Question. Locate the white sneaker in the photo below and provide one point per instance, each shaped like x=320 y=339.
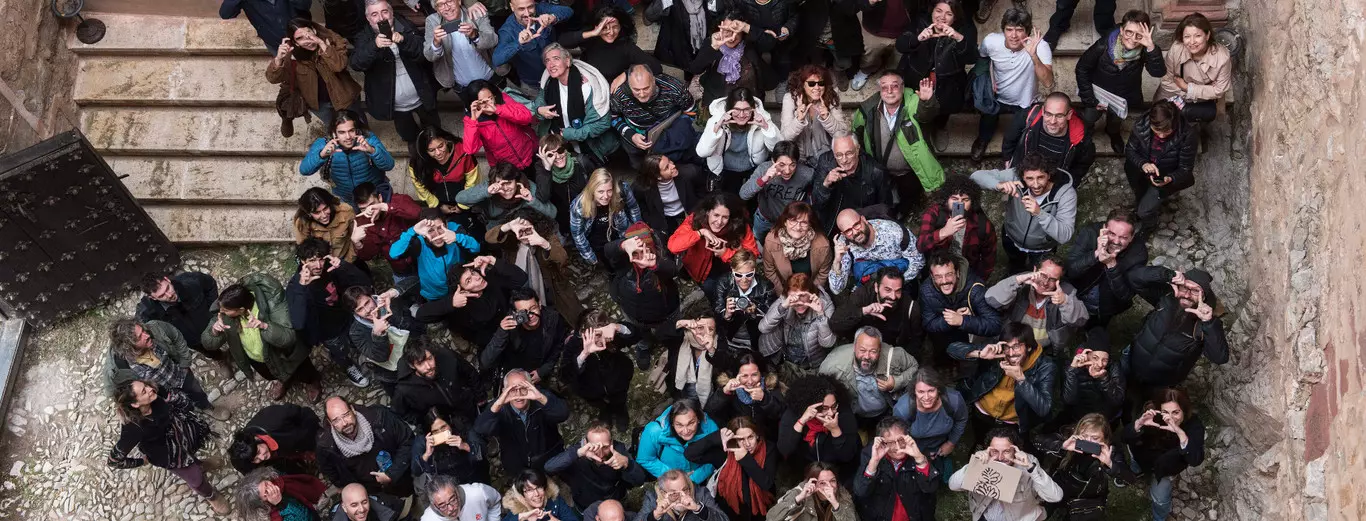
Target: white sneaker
x=357 y=378
x=859 y=81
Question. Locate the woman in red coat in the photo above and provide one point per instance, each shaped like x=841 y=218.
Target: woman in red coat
x=706 y=248
x=500 y=125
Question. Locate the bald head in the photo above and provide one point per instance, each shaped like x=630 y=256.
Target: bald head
x=610 y=510
x=847 y=217
x=853 y=227
x=642 y=83
x=355 y=501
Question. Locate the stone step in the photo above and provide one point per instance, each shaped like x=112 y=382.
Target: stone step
x=223 y=224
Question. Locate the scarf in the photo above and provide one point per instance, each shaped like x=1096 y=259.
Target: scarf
x=562 y=175
x=729 y=66
x=526 y=259
x=814 y=428
x=729 y=484
x=796 y=247
x=683 y=371
x=647 y=237
x=365 y=438
x=1118 y=53
x=303 y=488
x=697 y=23
x=575 y=108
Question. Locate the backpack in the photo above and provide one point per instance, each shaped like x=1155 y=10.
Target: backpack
x=863 y=270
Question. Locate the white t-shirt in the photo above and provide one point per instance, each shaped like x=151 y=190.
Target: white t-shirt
x=1014 y=70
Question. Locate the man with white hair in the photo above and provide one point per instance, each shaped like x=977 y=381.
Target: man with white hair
x=575 y=102
x=846 y=178
x=399 y=85
x=526 y=422
x=451 y=501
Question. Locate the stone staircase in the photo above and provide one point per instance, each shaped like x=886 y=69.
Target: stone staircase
x=181 y=107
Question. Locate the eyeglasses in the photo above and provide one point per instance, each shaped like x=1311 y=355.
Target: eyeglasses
x=810 y=83
x=448 y=505
x=738 y=275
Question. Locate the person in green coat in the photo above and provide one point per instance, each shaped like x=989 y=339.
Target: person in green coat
x=888 y=125
x=252 y=318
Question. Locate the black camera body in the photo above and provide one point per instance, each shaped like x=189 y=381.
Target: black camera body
x=521 y=317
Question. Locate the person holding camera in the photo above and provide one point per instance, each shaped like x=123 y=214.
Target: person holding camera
x=598 y=468
x=506 y=190
x=529 y=338
x=740 y=302
x=897 y=478
x=350 y=154
x=1040 y=208
x=316 y=312
x=479 y=303
x=596 y=365
x=674 y=498
x=1020 y=403
x=399 y=85
x=1159 y=160
x=818 y=497
x=1087 y=462
x=313 y=59
x=1035 y=487
x=954 y=222
x=747 y=468
x=458 y=41
x=1165 y=440
x=526 y=420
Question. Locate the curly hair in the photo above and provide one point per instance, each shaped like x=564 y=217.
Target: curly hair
x=736 y=226
x=796 y=80
x=959 y=184
x=247 y=494
x=813 y=388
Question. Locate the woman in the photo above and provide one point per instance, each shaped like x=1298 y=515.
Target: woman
x=795 y=247
x=1166 y=440
x=796 y=328
x=168 y=431
x=252 y=318
x=739 y=135
x=819 y=497
x=781 y=181
x=1115 y=63
x=741 y=301
x=664 y=440
x=529 y=240
x=534 y=497
x=601 y=214
x=597 y=366
x=710 y=236
x=730 y=60
x=313 y=59
x=440 y=170
x=942 y=44
x=1199 y=70
x=665 y=191
x=266 y=494
x=1083 y=475
x=506 y=190
x=610 y=46
x=349 y=155
x=937 y=416
x=819 y=423
x=684 y=27
x=1159 y=160
x=811 y=110
x=561 y=174
x=444 y=449
x=747 y=466
x=320 y=215
x=499 y=125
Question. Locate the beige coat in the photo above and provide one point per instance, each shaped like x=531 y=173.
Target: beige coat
x=1208 y=78
x=337 y=233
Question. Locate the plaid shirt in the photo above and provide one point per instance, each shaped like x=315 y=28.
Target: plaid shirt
x=979 y=238
x=630 y=116
x=168 y=374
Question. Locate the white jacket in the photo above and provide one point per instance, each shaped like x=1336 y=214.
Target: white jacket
x=601 y=91
x=713 y=143
x=1034 y=488
x=478 y=502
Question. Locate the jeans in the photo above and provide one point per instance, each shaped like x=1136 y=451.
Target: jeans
x=761 y=228
x=195 y=391
x=1020 y=261
x=986 y=126
x=1103 y=17
x=1160 y=493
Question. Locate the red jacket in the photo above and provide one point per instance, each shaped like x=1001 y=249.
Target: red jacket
x=689 y=246
x=402 y=215
x=507 y=138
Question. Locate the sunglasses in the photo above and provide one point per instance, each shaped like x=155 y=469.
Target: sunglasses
x=810 y=83
x=749 y=275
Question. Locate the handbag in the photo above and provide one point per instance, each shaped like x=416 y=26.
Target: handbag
x=290 y=104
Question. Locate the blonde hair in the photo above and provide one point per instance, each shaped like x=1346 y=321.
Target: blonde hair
x=588 y=205
x=741 y=258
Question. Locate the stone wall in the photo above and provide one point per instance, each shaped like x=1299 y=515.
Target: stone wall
x=37 y=67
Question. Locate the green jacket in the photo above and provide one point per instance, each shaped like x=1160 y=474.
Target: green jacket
x=165 y=336
x=283 y=353
x=913 y=148
x=595 y=133
x=840 y=364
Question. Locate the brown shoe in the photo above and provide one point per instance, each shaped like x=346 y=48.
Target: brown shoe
x=277 y=390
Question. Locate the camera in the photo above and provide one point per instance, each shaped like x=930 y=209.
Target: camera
x=521 y=317
x=742 y=303
x=733 y=444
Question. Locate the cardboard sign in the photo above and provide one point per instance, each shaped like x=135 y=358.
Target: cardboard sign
x=993 y=479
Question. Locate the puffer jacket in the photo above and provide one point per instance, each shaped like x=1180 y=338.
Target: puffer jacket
x=760 y=293
x=1085 y=482
x=1012 y=299
x=1035 y=392
x=1171 y=340
x=1097 y=68
x=349 y=168
x=1057 y=216
x=659 y=450
x=818 y=339
x=1085 y=273
x=514 y=504
x=713 y=143
x=283 y=352
x=1083 y=394
x=506 y=138
x=969 y=292
x=1176 y=159
x=581 y=227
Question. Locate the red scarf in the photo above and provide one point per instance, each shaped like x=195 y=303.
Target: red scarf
x=814 y=428
x=302 y=487
x=731 y=479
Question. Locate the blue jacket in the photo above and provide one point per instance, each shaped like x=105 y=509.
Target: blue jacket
x=526 y=58
x=352 y=168
x=431 y=268
x=660 y=450
x=580 y=228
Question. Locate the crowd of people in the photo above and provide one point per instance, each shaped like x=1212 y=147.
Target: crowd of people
x=829 y=340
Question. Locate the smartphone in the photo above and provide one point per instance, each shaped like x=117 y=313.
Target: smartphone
x=383 y=310
x=1088 y=447
x=386 y=29
x=451 y=27
x=733 y=444
x=957 y=208
x=441 y=438
x=1160 y=419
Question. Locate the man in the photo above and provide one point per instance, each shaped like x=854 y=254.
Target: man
x=955 y=223
x=675 y=497
x=359 y=505
x=252 y=319
x=645 y=102
x=1016 y=391
x=316 y=309
x=847 y=179
x=379 y=224
x=399 y=85
x=437 y=245
x=597 y=468
x=1055 y=131
x=435 y=377
x=575 y=102
x=154 y=351
x=596 y=364
x=1182 y=326
x=451 y=501
x=882 y=305
x=529 y=338
x=865 y=246
x=606 y=510
x=479 y=302
x=269 y=17
x=1042 y=300
x=281 y=436
x=752 y=394
x=184 y=301
x=643 y=285
x=1035 y=488
x=889 y=126
x=953 y=306
x=876 y=372
x=897 y=482
x=369 y=445
x=460 y=57
x=381 y=328
x=1019 y=58
x=1040 y=209
x=524 y=35
x=526 y=421
x=1099 y=261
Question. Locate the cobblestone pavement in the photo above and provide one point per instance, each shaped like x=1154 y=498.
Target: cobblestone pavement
x=61 y=426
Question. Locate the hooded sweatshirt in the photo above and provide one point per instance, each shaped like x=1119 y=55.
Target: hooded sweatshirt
x=1057 y=213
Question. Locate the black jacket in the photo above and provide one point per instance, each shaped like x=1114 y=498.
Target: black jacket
x=941 y=55
x=876 y=496
x=532 y=350
x=647 y=296
x=1035 y=393
x=1080 y=154
x=714 y=84
x=903 y=327
x=760 y=294
x=1082 y=394
x=454 y=390
x=766 y=413
x=708 y=450
x=294 y=429
x=529 y=444
x=378 y=66
x=591 y=481
x=1159 y=452
x=841 y=451
x=1176 y=159
x=391 y=435
x=1084 y=272
x=1171 y=339
x=190 y=314
x=673 y=46
x=867 y=187
x=1085 y=482
x=689 y=186
x=985 y=320
x=480 y=317
x=317 y=311
x=605 y=374
x=1096 y=68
